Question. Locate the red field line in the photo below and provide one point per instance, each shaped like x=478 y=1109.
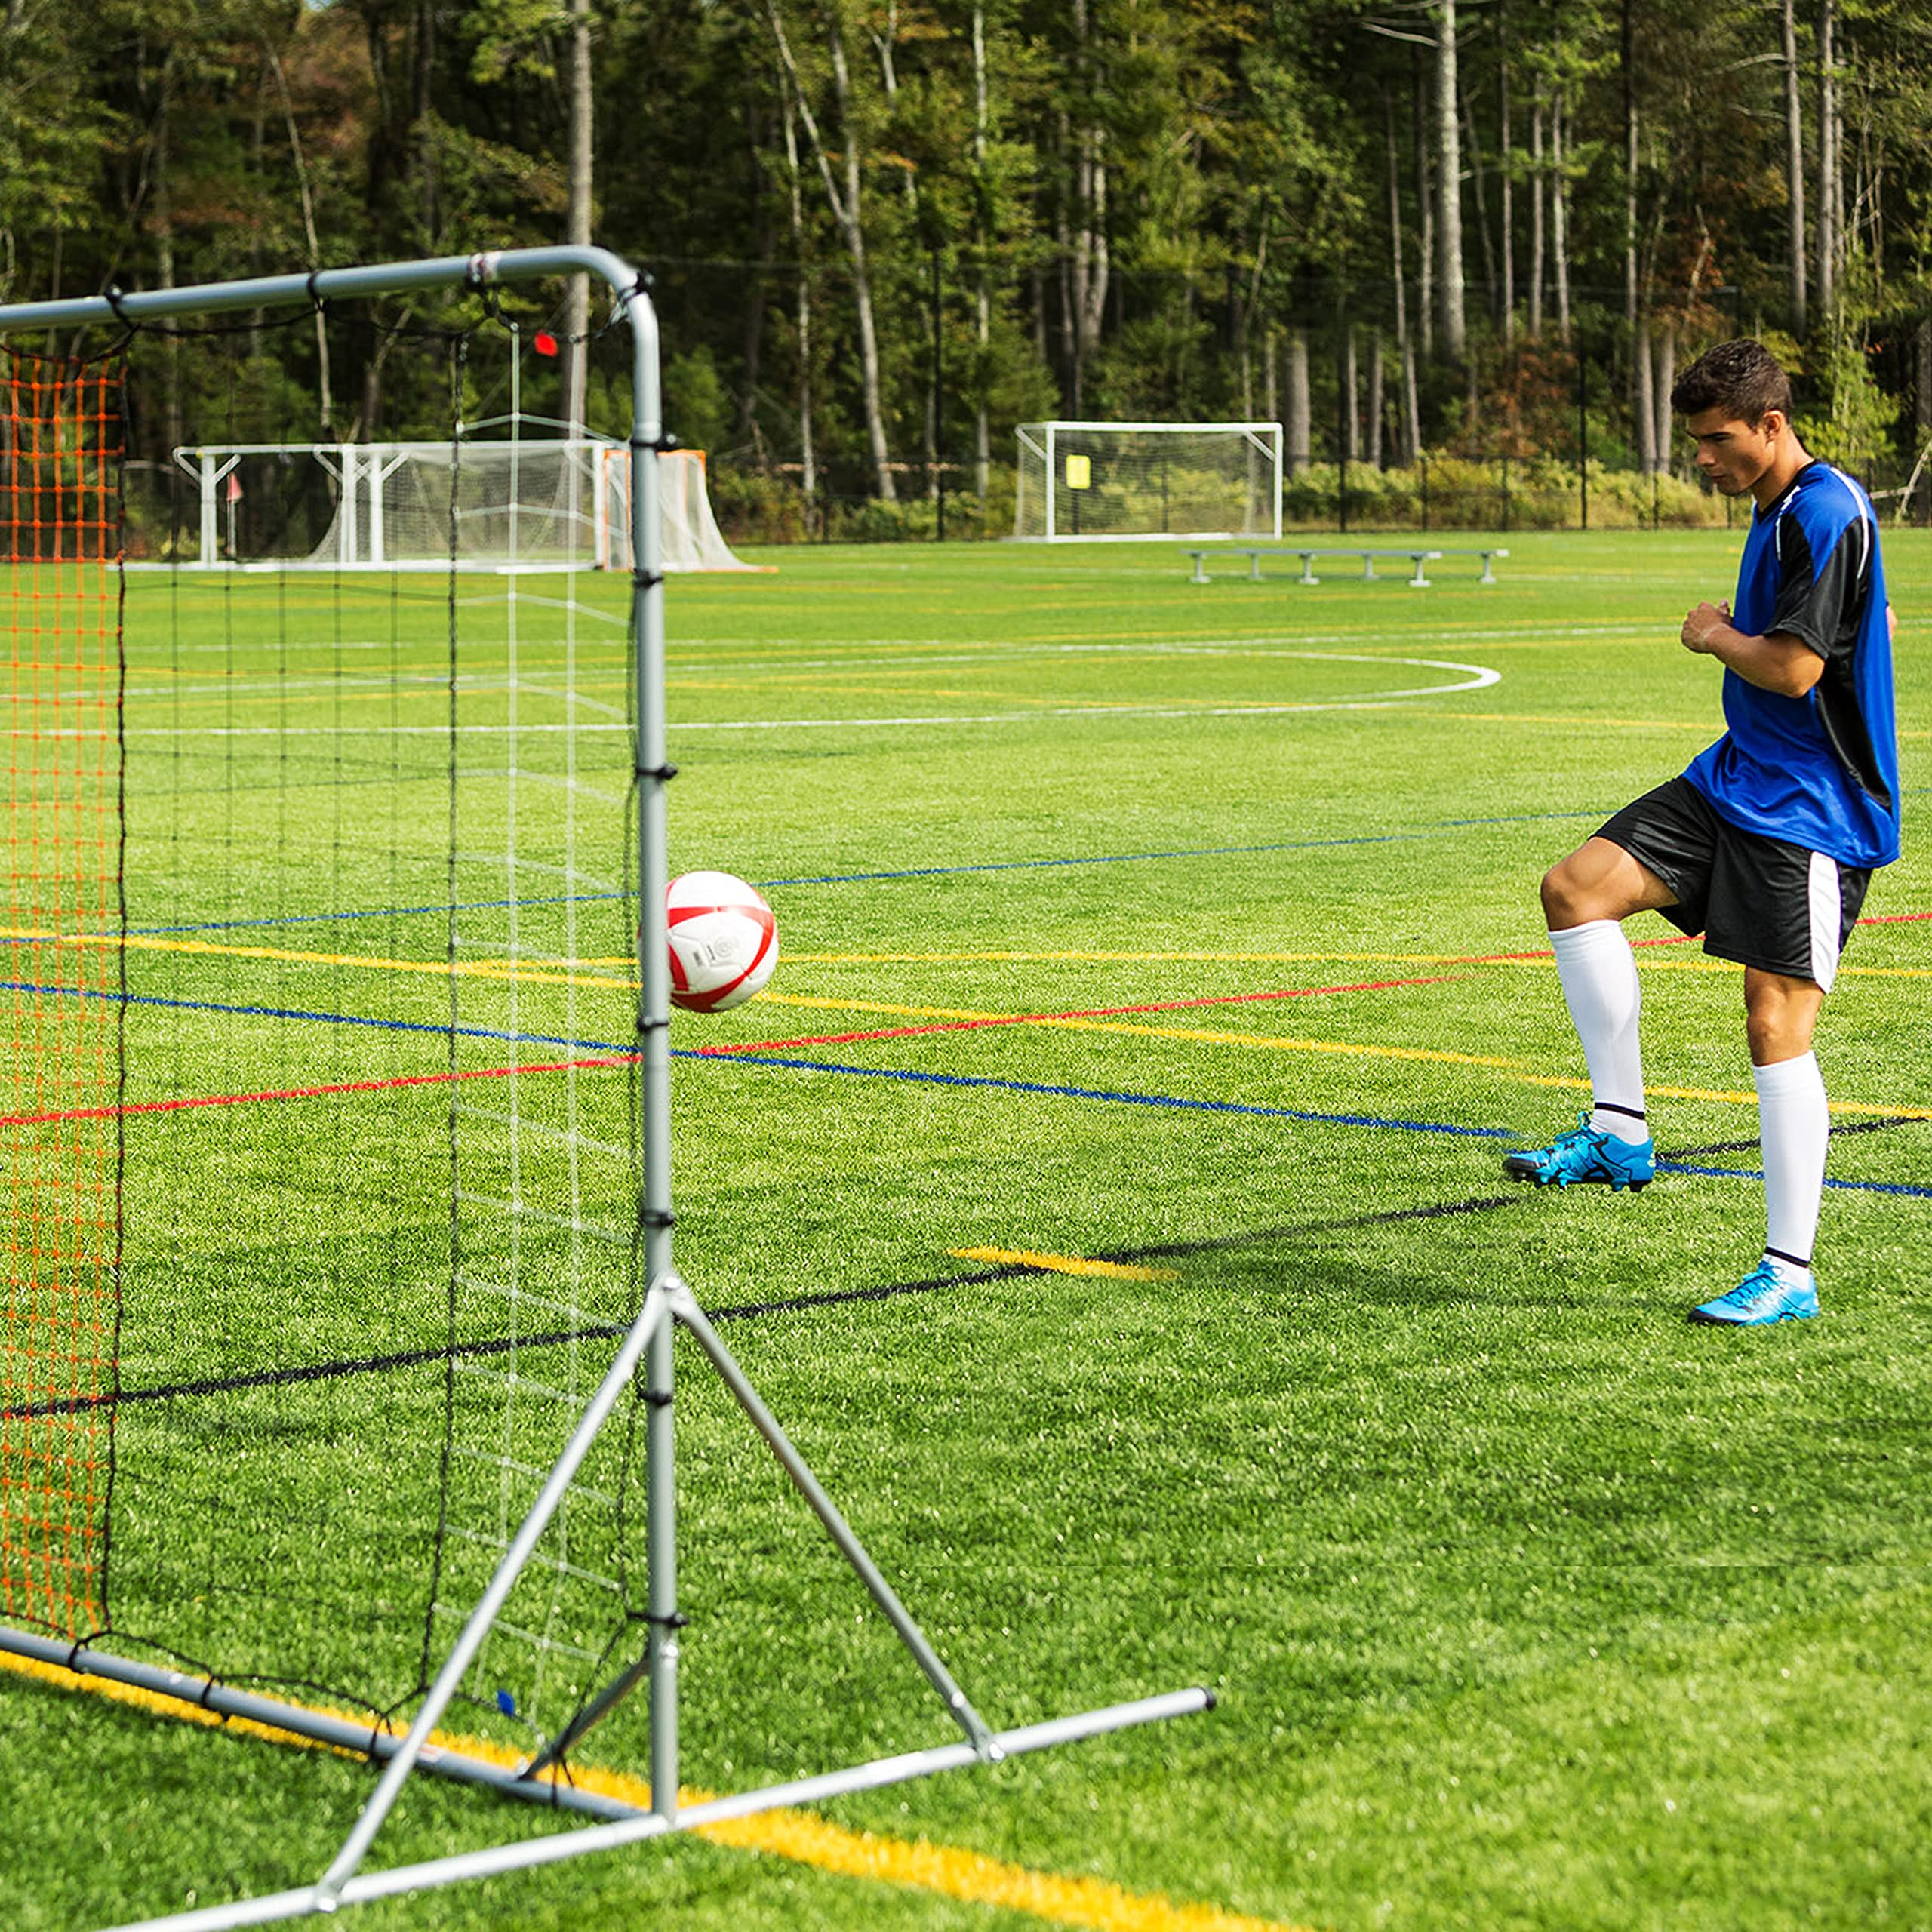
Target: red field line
x=1040 y=1019
x=309 y=1093
x=1670 y=939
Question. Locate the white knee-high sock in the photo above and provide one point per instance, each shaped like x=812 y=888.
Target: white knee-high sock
x=1796 y=1126
x=1598 y=974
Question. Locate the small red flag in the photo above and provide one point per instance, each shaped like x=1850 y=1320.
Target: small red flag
x=544 y=342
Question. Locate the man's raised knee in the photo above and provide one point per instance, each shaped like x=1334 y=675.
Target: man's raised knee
x=1562 y=897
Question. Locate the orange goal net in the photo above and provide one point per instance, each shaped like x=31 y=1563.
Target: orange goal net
x=61 y=446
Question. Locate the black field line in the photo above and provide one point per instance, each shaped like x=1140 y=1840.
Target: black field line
x=1755 y=1146
x=407 y=1358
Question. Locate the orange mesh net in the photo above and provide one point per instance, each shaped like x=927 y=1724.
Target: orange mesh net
x=61 y=445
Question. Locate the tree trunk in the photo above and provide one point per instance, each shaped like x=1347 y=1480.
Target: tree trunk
x=1538 y=192
x=1410 y=442
x=1477 y=183
x=1643 y=408
x=172 y=434
x=1425 y=218
x=1375 y=399
x=1828 y=160
x=1559 y=227
x=1411 y=405
x=577 y=289
x=325 y=409
x=1350 y=414
x=802 y=310
x=1665 y=346
x=749 y=430
x=1298 y=453
x=982 y=298
x=1630 y=174
x=428 y=196
x=1794 y=166
x=1507 y=169
x=885 y=37
x=847 y=211
x=1449 y=182
x=1090 y=265
x=1082 y=222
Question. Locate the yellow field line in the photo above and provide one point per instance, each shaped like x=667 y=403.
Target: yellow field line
x=505 y=970
x=1647 y=959
x=1080 y=955
x=509 y=972
x=799 y=1836
x=1063 y=1264
x=1516 y=1070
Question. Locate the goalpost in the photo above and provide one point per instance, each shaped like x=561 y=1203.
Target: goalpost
x=541 y=501
x=406 y=821
x=1148 y=481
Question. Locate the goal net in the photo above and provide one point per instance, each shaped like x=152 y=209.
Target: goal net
x=497 y=503
x=336 y=1371
x=1148 y=480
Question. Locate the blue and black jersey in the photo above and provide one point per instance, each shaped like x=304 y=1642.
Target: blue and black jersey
x=1820 y=770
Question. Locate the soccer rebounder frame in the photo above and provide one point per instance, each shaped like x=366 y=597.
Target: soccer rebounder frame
x=667 y=1304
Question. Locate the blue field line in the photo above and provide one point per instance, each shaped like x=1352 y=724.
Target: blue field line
x=1118 y=1098
x=871 y=878
x=1757 y=1174
x=1180 y=852
x=1114 y=1096
x=442 y=1030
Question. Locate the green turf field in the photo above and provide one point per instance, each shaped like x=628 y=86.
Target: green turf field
x=1189 y=929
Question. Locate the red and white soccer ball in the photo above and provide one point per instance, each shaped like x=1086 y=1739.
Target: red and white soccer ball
x=724 y=942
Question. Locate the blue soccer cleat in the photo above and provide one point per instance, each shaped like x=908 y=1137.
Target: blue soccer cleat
x=1588 y=1154
x=1763 y=1295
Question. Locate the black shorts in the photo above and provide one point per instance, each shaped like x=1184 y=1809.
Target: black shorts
x=1762 y=902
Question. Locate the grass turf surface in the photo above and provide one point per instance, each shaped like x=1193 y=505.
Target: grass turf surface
x=1525 y=1604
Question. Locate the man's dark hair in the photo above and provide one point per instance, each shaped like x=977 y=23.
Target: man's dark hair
x=1742 y=378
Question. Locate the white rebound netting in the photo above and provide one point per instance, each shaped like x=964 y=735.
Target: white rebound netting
x=1147 y=480
x=535 y=503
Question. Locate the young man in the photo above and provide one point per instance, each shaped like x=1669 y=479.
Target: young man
x=1766 y=843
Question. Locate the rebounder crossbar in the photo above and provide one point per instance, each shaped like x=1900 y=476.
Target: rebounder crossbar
x=647 y=1344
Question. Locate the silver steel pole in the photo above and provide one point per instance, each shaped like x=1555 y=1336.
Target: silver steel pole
x=336 y=1731
x=655 y=771
x=985 y=1746
x=377 y=278
x=366 y=1887
x=653 y=1316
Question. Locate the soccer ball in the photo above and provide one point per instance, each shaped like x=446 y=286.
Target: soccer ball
x=723 y=943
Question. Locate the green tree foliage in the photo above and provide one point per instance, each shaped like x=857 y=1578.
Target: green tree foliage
x=1111 y=208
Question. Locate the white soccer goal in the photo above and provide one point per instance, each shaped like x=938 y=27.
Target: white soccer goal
x=539 y=502
x=1148 y=480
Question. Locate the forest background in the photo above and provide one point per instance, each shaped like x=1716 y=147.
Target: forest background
x=1440 y=238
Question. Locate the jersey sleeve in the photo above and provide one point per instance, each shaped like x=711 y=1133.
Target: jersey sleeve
x=1820 y=598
